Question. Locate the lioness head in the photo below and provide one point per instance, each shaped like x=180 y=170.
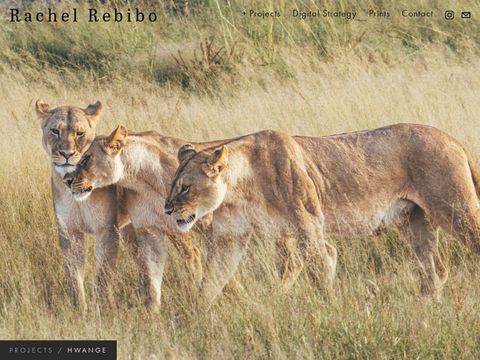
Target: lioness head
x=68 y=131
x=100 y=166
x=198 y=187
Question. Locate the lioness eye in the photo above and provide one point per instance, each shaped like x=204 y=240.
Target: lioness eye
x=184 y=189
x=80 y=133
x=55 y=132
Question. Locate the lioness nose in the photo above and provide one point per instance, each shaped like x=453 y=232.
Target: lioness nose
x=66 y=154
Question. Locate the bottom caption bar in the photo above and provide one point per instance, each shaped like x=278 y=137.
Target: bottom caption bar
x=58 y=349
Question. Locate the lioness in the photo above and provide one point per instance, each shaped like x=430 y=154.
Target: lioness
x=414 y=177
x=142 y=163
x=68 y=132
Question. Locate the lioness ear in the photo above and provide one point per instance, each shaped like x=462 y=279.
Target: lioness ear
x=216 y=162
x=42 y=108
x=116 y=140
x=185 y=152
x=93 y=111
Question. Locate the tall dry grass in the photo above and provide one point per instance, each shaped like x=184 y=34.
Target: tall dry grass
x=375 y=312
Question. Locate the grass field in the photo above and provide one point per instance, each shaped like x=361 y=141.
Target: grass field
x=312 y=78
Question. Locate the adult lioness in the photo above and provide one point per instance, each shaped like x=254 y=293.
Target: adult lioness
x=141 y=163
x=413 y=177
x=68 y=131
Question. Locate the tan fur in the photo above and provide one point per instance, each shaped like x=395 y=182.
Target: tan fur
x=142 y=163
x=296 y=189
x=68 y=131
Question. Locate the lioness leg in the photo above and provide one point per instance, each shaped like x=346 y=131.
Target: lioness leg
x=129 y=238
x=453 y=203
x=290 y=262
x=73 y=250
x=106 y=256
x=223 y=257
x=127 y=233
x=424 y=240
x=185 y=245
x=152 y=256
x=320 y=257
x=465 y=227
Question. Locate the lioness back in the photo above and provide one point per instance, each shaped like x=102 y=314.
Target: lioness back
x=370 y=177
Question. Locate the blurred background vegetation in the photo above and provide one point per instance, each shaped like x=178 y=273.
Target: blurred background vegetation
x=198 y=44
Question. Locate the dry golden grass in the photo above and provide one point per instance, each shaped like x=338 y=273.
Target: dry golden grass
x=376 y=311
